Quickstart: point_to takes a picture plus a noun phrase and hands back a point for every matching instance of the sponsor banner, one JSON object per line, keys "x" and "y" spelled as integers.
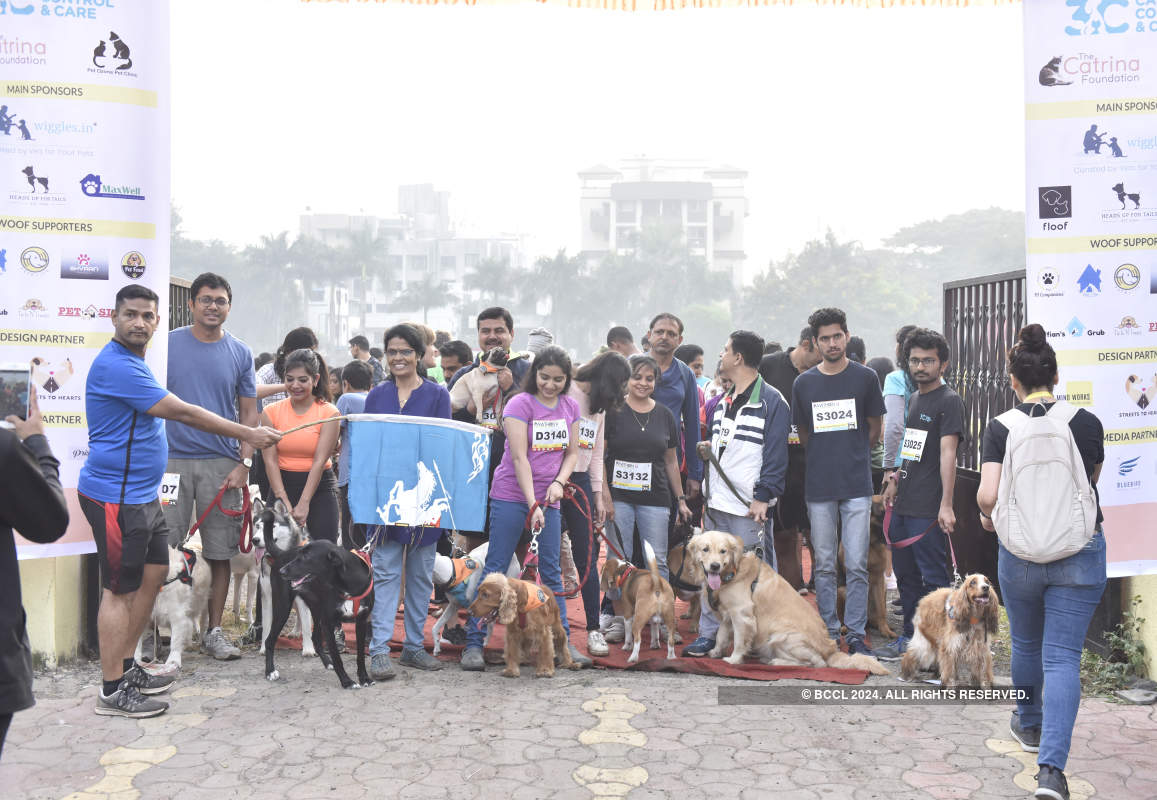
{"x": 1091, "y": 237}
{"x": 84, "y": 187}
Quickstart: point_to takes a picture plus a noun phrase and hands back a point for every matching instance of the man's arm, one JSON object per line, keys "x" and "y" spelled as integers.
{"x": 875, "y": 430}
{"x": 239, "y": 475}
{"x": 893, "y": 429}
{"x": 172, "y": 407}
{"x": 773, "y": 471}
{"x": 948, "y": 445}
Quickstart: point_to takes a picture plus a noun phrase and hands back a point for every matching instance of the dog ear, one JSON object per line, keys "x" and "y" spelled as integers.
{"x": 511, "y": 600}
{"x": 258, "y": 507}
{"x": 992, "y": 612}
{"x": 961, "y": 608}
{"x": 280, "y": 509}
{"x": 735, "y": 551}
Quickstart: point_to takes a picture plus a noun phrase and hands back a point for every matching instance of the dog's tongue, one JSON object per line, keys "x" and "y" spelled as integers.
{"x": 714, "y": 581}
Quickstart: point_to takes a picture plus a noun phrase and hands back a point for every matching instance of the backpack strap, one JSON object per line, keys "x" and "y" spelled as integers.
{"x": 1012, "y": 419}
{"x": 1064, "y": 411}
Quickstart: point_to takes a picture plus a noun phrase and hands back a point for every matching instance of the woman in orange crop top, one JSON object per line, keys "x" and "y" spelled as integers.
{"x": 298, "y": 466}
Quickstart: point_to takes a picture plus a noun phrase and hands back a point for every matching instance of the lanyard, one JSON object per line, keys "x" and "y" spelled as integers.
{"x": 1039, "y": 396}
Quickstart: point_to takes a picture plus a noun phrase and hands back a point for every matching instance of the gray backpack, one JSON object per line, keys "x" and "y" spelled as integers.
{"x": 1045, "y": 507}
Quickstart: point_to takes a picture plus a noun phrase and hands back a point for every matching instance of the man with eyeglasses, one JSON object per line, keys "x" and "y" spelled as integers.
{"x": 838, "y": 411}
{"x": 211, "y": 368}
{"x": 920, "y": 491}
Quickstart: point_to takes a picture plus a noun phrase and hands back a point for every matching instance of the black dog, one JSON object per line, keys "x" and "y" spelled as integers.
{"x": 326, "y": 576}
{"x": 1122, "y": 195}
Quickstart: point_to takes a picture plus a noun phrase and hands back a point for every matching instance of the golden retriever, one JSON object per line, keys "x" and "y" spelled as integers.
{"x": 762, "y": 614}
{"x": 640, "y": 597}
{"x": 530, "y": 615}
{"x": 952, "y": 630}
{"x": 686, "y": 581}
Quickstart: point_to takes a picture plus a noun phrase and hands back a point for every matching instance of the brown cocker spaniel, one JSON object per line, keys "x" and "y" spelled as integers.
{"x": 952, "y": 630}
{"x": 530, "y": 615}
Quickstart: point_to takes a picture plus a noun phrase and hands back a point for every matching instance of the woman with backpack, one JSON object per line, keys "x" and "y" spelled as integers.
{"x": 1051, "y": 561}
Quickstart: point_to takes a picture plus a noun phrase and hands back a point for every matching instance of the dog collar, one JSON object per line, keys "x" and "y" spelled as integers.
{"x": 627, "y": 573}
{"x": 952, "y": 614}
{"x": 185, "y": 576}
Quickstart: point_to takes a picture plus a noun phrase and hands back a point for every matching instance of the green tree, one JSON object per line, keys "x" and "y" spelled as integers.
{"x": 978, "y": 242}
{"x": 425, "y": 294}
{"x": 491, "y": 278}
{"x": 281, "y": 299}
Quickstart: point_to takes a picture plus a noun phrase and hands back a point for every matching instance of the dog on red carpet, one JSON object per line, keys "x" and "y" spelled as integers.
{"x": 531, "y": 616}
{"x": 640, "y": 596}
{"x": 952, "y": 631}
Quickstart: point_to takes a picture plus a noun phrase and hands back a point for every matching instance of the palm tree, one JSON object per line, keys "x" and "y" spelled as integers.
{"x": 273, "y": 264}
{"x": 491, "y": 278}
{"x": 367, "y": 255}
{"x": 425, "y": 294}
{"x": 316, "y": 262}
{"x": 561, "y": 279}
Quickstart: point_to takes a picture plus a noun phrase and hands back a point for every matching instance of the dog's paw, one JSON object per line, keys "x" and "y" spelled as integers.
{"x": 327, "y": 665}
{"x": 544, "y": 673}
{"x": 509, "y": 673}
{"x": 715, "y": 653}
{"x": 734, "y": 660}
{"x": 310, "y": 653}
{"x": 670, "y": 653}
{"x": 351, "y": 685}
{"x": 366, "y": 681}
{"x": 633, "y": 658}
{"x": 273, "y": 676}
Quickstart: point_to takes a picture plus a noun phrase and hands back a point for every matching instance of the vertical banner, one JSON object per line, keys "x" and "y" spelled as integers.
{"x": 1091, "y": 219}
{"x": 84, "y": 177}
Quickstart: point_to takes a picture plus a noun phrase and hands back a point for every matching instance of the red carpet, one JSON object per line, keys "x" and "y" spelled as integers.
{"x": 649, "y": 660}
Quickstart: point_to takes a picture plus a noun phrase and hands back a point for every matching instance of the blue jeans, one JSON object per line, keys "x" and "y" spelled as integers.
{"x": 580, "y": 541}
{"x": 387, "y": 561}
{"x": 1049, "y": 608}
{"x": 855, "y": 514}
{"x": 507, "y": 521}
{"x": 747, "y": 529}
{"x": 920, "y": 567}
{"x": 652, "y": 522}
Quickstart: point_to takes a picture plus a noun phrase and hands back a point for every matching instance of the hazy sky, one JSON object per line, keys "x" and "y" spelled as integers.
{"x": 859, "y": 120}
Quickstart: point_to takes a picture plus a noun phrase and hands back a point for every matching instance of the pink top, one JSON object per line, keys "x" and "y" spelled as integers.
{"x": 548, "y": 433}
{"x": 590, "y": 456}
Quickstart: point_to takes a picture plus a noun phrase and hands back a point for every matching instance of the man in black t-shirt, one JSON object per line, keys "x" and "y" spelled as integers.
{"x": 838, "y": 410}
{"x": 789, "y": 519}
{"x": 920, "y": 491}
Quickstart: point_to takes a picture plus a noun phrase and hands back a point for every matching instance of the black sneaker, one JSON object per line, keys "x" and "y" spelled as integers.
{"x": 893, "y": 651}
{"x": 856, "y": 645}
{"x": 699, "y": 648}
{"x": 145, "y": 682}
{"x": 128, "y": 702}
{"x": 1028, "y": 738}
{"x": 1051, "y": 783}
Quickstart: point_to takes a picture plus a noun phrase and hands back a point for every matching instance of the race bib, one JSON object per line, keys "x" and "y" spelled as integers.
{"x": 834, "y": 415}
{"x": 793, "y": 435}
{"x": 631, "y": 476}
{"x": 726, "y": 431}
{"x": 913, "y": 447}
{"x": 489, "y": 417}
{"x": 588, "y": 429}
{"x": 549, "y": 434}
{"x": 170, "y": 488}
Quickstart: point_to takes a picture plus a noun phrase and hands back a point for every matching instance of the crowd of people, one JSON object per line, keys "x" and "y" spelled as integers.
{"x": 779, "y": 447}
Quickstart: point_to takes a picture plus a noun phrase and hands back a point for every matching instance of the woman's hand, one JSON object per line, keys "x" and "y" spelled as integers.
{"x": 600, "y": 509}
{"x": 986, "y": 523}
{"x": 301, "y": 512}
{"x": 537, "y": 520}
{"x": 608, "y": 506}
{"x": 554, "y": 493}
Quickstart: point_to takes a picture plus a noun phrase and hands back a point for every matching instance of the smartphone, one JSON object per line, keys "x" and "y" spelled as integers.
{"x": 15, "y": 380}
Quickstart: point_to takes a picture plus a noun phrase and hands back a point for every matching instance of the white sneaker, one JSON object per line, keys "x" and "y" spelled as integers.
{"x": 597, "y": 643}
{"x": 615, "y": 630}
{"x": 605, "y": 620}
{"x": 216, "y": 645}
{"x": 890, "y": 581}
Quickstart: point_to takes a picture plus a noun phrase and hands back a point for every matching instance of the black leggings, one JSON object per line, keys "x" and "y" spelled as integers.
{"x": 322, "y": 522}
{"x": 5, "y": 721}
{"x": 580, "y": 538}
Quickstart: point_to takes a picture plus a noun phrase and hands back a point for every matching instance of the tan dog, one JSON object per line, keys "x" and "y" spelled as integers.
{"x": 530, "y": 615}
{"x": 877, "y": 561}
{"x": 952, "y": 630}
{"x": 687, "y": 581}
{"x": 762, "y": 614}
{"x": 640, "y": 597}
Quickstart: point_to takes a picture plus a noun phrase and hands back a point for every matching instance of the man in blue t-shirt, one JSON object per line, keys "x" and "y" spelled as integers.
{"x": 356, "y": 378}
{"x": 118, "y": 488}
{"x": 838, "y": 410}
{"x": 209, "y": 367}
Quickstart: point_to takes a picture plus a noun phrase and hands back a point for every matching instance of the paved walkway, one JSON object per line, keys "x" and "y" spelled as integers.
{"x": 581, "y": 735}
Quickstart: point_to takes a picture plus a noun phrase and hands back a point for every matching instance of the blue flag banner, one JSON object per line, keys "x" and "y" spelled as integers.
{"x": 418, "y": 471}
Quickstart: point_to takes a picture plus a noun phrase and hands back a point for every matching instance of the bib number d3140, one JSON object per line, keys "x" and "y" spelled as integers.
{"x": 549, "y": 434}
{"x": 834, "y": 415}
{"x": 913, "y": 447}
{"x": 170, "y": 488}
{"x": 632, "y": 476}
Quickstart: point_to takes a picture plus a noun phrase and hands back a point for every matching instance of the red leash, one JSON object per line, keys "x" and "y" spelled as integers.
{"x": 365, "y": 559}
{"x": 913, "y": 539}
{"x": 574, "y": 494}
{"x": 246, "y": 542}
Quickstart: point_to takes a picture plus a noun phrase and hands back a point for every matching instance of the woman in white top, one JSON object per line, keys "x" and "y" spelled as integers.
{"x": 599, "y": 385}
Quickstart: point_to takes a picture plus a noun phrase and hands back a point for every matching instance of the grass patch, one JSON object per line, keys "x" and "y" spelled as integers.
{"x": 1101, "y": 675}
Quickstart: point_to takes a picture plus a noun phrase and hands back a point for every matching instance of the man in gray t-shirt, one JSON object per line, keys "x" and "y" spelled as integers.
{"x": 210, "y": 368}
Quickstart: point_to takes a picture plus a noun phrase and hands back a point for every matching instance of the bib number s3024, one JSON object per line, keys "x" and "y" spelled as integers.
{"x": 834, "y": 415}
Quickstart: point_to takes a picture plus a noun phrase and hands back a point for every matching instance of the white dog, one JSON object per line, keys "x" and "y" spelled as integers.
{"x": 244, "y": 568}
{"x": 181, "y": 606}
{"x": 459, "y": 579}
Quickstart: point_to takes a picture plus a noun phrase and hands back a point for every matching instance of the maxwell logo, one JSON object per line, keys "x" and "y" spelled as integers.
{"x": 84, "y": 267}
{"x": 1089, "y": 282}
{"x": 1092, "y": 17}
{"x": 92, "y": 186}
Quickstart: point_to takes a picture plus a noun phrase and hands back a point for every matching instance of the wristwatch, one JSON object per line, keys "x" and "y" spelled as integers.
{"x": 248, "y": 462}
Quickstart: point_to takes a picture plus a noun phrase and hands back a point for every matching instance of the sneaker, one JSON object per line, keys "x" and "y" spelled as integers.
{"x": 605, "y": 620}
{"x": 663, "y": 635}
{"x": 216, "y": 645}
{"x": 897, "y": 603}
{"x": 597, "y": 644}
{"x": 890, "y": 581}
{"x": 577, "y": 657}
{"x": 382, "y": 667}
{"x": 1028, "y": 738}
{"x": 472, "y": 660}
{"x": 803, "y": 591}
{"x": 1051, "y": 783}
{"x": 420, "y": 659}
{"x": 856, "y": 645}
{"x": 145, "y": 682}
{"x": 616, "y": 630}
{"x": 893, "y": 651}
{"x": 699, "y": 648}
{"x": 127, "y": 701}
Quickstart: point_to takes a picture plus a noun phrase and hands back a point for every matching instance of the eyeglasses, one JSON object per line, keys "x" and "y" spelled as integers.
{"x": 204, "y": 301}
{"x": 923, "y": 362}
{"x": 399, "y": 353}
